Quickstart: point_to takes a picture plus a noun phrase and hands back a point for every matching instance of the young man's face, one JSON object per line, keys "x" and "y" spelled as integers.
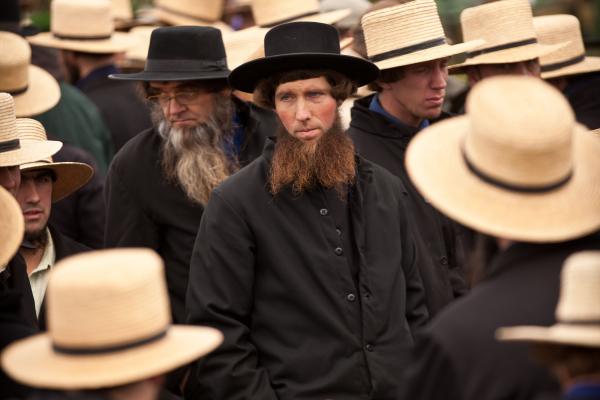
{"x": 35, "y": 198}
{"x": 306, "y": 108}
{"x": 184, "y": 105}
{"x": 419, "y": 94}
{"x": 479, "y": 72}
{"x": 10, "y": 179}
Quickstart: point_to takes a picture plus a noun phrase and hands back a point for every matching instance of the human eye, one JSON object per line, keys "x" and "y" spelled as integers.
{"x": 285, "y": 97}
{"x": 187, "y": 96}
{"x": 315, "y": 94}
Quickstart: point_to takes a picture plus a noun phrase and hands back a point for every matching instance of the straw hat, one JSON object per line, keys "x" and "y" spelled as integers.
{"x": 191, "y": 12}
{"x": 241, "y": 46}
{"x": 85, "y": 26}
{"x": 33, "y": 89}
{"x": 70, "y": 176}
{"x": 507, "y": 28}
{"x": 109, "y": 325}
{"x": 569, "y": 60}
{"x": 577, "y": 312}
{"x": 11, "y": 219}
{"x": 301, "y": 45}
{"x": 407, "y": 34}
{"x": 516, "y": 166}
{"x": 121, "y": 10}
{"x": 268, "y": 13}
{"x": 12, "y": 150}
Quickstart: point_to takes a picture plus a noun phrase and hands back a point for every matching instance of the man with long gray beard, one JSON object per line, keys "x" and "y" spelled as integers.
{"x": 160, "y": 181}
{"x": 304, "y": 259}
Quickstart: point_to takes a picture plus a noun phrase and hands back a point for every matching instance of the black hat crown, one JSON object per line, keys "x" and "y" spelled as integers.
{"x": 302, "y": 37}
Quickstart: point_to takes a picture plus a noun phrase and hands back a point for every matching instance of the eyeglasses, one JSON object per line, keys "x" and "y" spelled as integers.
{"x": 183, "y": 98}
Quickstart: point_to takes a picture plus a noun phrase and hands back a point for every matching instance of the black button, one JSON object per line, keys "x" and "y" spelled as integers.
{"x": 323, "y": 211}
{"x": 369, "y": 347}
{"x": 351, "y": 297}
{"x": 339, "y": 251}
{"x": 367, "y": 295}
{"x": 444, "y": 261}
{"x": 338, "y": 231}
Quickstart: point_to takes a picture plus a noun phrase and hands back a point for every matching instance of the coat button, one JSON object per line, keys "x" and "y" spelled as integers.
{"x": 369, "y": 347}
{"x": 351, "y": 297}
{"x": 444, "y": 260}
{"x": 338, "y": 231}
{"x": 323, "y": 211}
{"x": 339, "y": 251}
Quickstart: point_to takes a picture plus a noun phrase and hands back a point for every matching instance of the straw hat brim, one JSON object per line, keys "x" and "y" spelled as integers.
{"x": 42, "y": 94}
{"x": 33, "y": 361}
{"x": 70, "y": 176}
{"x": 432, "y": 53}
{"x": 329, "y": 18}
{"x": 246, "y": 76}
{"x": 241, "y": 45}
{"x": 29, "y": 152}
{"x": 177, "y": 19}
{"x": 512, "y": 55}
{"x": 589, "y": 64}
{"x": 436, "y": 166}
{"x": 560, "y": 334}
{"x": 11, "y": 233}
{"x": 118, "y": 42}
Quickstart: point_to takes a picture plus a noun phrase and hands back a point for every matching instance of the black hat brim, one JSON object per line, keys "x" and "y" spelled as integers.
{"x": 170, "y": 76}
{"x": 246, "y": 76}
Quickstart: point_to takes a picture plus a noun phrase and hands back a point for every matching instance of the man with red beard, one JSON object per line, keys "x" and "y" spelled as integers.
{"x": 160, "y": 181}
{"x": 304, "y": 258}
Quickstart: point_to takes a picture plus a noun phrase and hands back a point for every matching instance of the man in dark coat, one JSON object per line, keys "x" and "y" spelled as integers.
{"x": 159, "y": 183}
{"x": 486, "y": 171}
{"x": 42, "y": 183}
{"x": 409, "y": 96}
{"x": 304, "y": 259}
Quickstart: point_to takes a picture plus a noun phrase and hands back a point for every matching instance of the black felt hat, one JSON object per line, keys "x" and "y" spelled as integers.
{"x": 183, "y": 53}
{"x": 301, "y": 45}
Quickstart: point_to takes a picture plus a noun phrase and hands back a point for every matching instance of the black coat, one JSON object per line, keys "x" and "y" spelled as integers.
{"x": 458, "y": 357}
{"x": 143, "y": 209}
{"x": 583, "y": 93}
{"x": 272, "y": 273}
{"x": 121, "y": 106}
{"x": 380, "y": 141}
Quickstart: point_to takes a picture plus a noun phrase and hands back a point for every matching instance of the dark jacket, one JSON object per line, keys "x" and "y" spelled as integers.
{"x": 143, "y": 209}
{"x": 81, "y": 215}
{"x": 458, "y": 357}
{"x": 122, "y": 108}
{"x": 384, "y": 143}
{"x": 272, "y": 274}
{"x": 582, "y": 91}
{"x": 14, "y": 279}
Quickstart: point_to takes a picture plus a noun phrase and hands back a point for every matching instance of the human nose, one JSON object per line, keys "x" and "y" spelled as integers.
{"x": 302, "y": 111}
{"x": 440, "y": 77}
{"x": 28, "y": 192}
{"x": 173, "y": 106}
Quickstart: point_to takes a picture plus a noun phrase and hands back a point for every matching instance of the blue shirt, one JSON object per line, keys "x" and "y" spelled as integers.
{"x": 375, "y": 106}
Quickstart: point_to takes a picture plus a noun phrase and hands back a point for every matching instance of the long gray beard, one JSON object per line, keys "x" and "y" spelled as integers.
{"x": 194, "y": 157}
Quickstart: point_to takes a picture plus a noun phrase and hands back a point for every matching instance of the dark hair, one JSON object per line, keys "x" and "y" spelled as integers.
{"x": 210, "y": 85}
{"x": 341, "y": 86}
{"x": 387, "y": 76}
{"x": 577, "y": 360}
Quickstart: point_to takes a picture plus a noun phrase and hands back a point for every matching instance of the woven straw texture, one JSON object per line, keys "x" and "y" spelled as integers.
{"x": 41, "y": 91}
{"x": 553, "y": 29}
{"x": 205, "y": 10}
{"x": 121, "y": 9}
{"x": 100, "y": 299}
{"x": 517, "y": 131}
{"x": 70, "y": 176}
{"x": 500, "y": 23}
{"x": 74, "y": 19}
{"x": 578, "y": 303}
{"x": 11, "y": 233}
{"x": 271, "y": 12}
{"x": 407, "y": 25}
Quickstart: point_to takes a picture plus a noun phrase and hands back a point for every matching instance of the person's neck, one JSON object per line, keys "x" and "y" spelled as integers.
{"x": 392, "y": 106}
{"x": 86, "y": 68}
{"x": 32, "y": 257}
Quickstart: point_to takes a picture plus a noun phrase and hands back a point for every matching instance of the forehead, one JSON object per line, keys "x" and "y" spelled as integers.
{"x": 319, "y": 83}
{"x": 431, "y": 63}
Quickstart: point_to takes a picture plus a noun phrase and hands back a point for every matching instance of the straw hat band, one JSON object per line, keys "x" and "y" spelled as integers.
{"x": 409, "y": 49}
{"x": 10, "y": 145}
{"x": 15, "y": 92}
{"x": 513, "y": 187}
{"x": 505, "y": 46}
{"x": 109, "y": 349}
{"x": 78, "y": 37}
{"x": 562, "y": 64}
{"x": 185, "y": 65}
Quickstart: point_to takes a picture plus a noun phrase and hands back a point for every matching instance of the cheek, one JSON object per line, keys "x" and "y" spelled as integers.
{"x": 328, "y": 113}
{"x": 286, "y": 117}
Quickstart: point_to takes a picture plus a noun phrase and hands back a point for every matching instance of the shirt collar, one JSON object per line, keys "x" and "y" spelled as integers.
{"x": 49, "y": 256}
{"x": 101, "y": 72}
{"x": 376, "y": 106}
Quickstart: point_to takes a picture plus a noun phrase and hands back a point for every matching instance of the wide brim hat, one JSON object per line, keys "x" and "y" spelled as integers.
{"x": 191, "y": 12}
{"x": 568, "y": 60}
{"x": 269, "y": 13}
{"x": 11, "y": 233}
{"x": 301, "y": 45}
{"x": 109, "y": 325}
{"x": 183, "y": 53}
{"x": 577, "y": 313}
{"x": 42, "y": 93}
{"x": 507, "y": 28}
{"x": 486, "y": 182}
{"x": 408, "y": 33}
{"x": 85, "y": 26}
